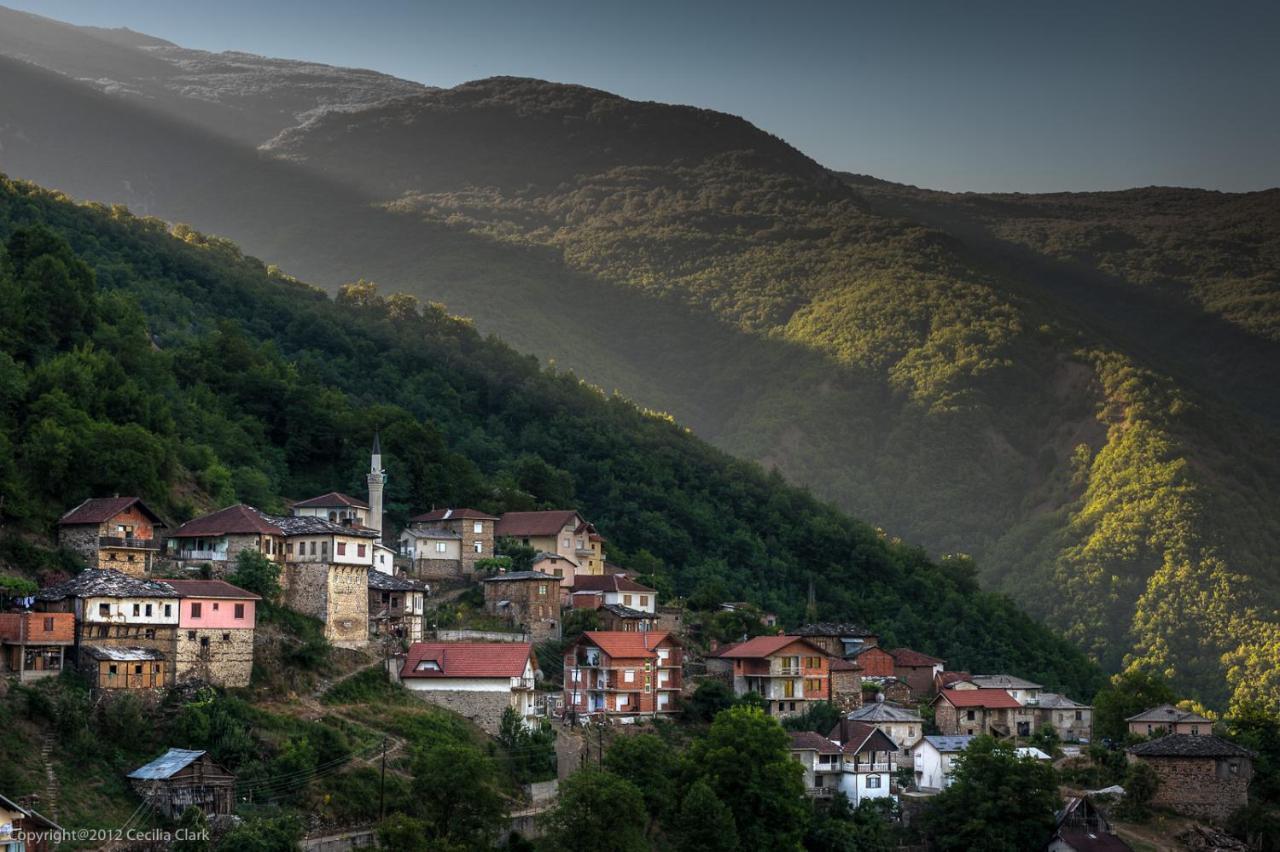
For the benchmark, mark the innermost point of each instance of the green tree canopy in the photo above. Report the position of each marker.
(596, 810)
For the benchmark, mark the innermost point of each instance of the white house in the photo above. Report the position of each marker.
(431, 543)
(934, 758)
(901, 724)
(821, 759)
(866, 765)
(615, 590)
(474, 679)
(336, 507)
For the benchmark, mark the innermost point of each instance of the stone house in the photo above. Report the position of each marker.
(478, 680)
(396, 607)
(614, 617)
(474, 529)
(622, 674)
(669, 618)
(1201, 775)
(112, 532)
(903, 725)
(789, 672)
(916, 670)
(36, 644)
(326, 575)
(846, 684)
(866, 765)
(125, 626)
(1168, 719)
(971, 712)
(1071, 720)
(22, 829)
(182, 778)
(218, 537)
(529, 599)
(334, 507)
(838, 639)
(432, 551)
(563, 532)
(933, 760)
(821, 759)
(216, 624)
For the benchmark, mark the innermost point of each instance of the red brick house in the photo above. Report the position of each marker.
(35, 644)
(917, 670)
(875, 662)
(112, 532)
(788, 672)
(622, 674)
(970, 712)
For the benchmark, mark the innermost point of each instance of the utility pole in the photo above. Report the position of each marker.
(382, 783)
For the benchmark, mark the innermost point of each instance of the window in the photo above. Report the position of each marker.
(1079, 715)
(626, 600)
(789, 688)
(239, 613)
(111, 669)
(644, 600)
(559, 572)
(137, 609)
(226, 637)
(196, 609)
(342, 548)
(148, 610)
(812, 684)
(873, 782)
(970, 715)
(441, 547)
(361, 549)
(104, 609)
(168, 610)
(629, 676)
(313, 547)
(477, 546)
(813, 662)
(478, 527)
(1195, 730)
(48, 625)
(288, 548)
(137, 669)
(542, 588)
(204, 641)
(149, 633)
(567, 543)
(191, 636)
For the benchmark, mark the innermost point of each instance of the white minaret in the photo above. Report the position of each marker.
(377, 478)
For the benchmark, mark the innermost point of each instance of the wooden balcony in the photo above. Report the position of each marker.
(128, 543)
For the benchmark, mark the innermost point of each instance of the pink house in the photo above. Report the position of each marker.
(215, 632)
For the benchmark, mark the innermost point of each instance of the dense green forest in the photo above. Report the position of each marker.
(172, 366)
(1077, 391)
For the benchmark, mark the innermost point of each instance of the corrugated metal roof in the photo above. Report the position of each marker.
(121, 654)
(166, 765)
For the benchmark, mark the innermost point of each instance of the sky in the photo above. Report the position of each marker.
(982, 96)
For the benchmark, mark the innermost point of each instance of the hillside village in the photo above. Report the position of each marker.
(155, 609)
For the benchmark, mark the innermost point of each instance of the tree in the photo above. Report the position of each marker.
(258, 574)
(596, 810)
(530, 753)
(277, 833)
(842, 828)
(745, 759)
(1127, 694)
(403, 833)
(456, 794)
(1140, 785)
(707, 700)
(192, 833)
(997, 801)
(650, 764)
(704, 823)
(820, 716)
(1046, 739)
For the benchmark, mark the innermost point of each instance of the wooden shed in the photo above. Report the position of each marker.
(182, 778)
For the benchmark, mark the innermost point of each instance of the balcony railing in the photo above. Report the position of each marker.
(867, 767)
(203, 555)
(787, 671)
(125, 541)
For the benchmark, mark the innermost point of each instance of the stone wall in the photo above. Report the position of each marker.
(447, 569)
(346, 622)
(227, 661)
(83, 540)
(846, 690)
(483, 708)
(1200, 787)
(306, 588)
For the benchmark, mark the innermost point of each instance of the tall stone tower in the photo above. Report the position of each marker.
(377, 478)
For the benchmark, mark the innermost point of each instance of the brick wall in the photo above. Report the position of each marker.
(226, 661)
(466, 527)
(1200, 787)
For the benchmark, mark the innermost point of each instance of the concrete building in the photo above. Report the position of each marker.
(903, 725)
(1201, 775)
(788, 672)
(1168, 719)
(622, 674)
(396, 607)
(433, 552)
(125, 626)
(866, 764)
(933, 760)
(472, 529)
(594, 591)
(821, 759)
(119, 533)
(527, 599)
(982, 711)
(1071, 720)
(35, 645)
(183, 778)
(218, 537)
(216, 624)
(563, 532)
(478, 680)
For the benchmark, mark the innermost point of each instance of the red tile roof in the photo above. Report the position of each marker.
(333, 498)
(96, 510)
(914, 659)
(766, 646)
(211, 589)
(607, 583)
(451, 515)
(948, 678)
(234, 520)
(628, 646)
(468, 659)
(991, 699)
(518, 524)
(812, 741)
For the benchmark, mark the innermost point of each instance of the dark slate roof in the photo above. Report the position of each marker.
(1057, 701)
(948, 744)
(1189, 745)
(626, 611)
(431, 532)
(95, 510)
(1169, 714)
(831, 628)
(519, 575)
(333, 498)
(884, 711)
(96, 582)
(166, 765)
(1002, 681)
(387, 583)
(437, 515)
(311, 525)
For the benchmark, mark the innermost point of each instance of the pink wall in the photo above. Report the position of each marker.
(222, 617)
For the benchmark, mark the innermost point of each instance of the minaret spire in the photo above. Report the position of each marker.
(376, 479)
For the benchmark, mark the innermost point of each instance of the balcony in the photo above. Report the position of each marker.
(202, 555)
(131, 543)
(787, 671)
(857, 768)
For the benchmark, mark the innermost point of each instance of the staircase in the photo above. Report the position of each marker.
(49, 807)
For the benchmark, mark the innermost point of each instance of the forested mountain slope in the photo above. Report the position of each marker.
(1113, 468)
(170, 365)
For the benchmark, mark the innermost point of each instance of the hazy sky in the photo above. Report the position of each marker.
(953, 95)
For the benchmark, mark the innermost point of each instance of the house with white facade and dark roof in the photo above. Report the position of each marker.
(933, 760)
(478, 680)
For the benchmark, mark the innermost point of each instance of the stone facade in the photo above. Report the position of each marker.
(1201, 787)
(483, 708)
(527, 598)
(338, 595)
(475, 545)
(214, 655)
(437, 569)
(846, 688)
